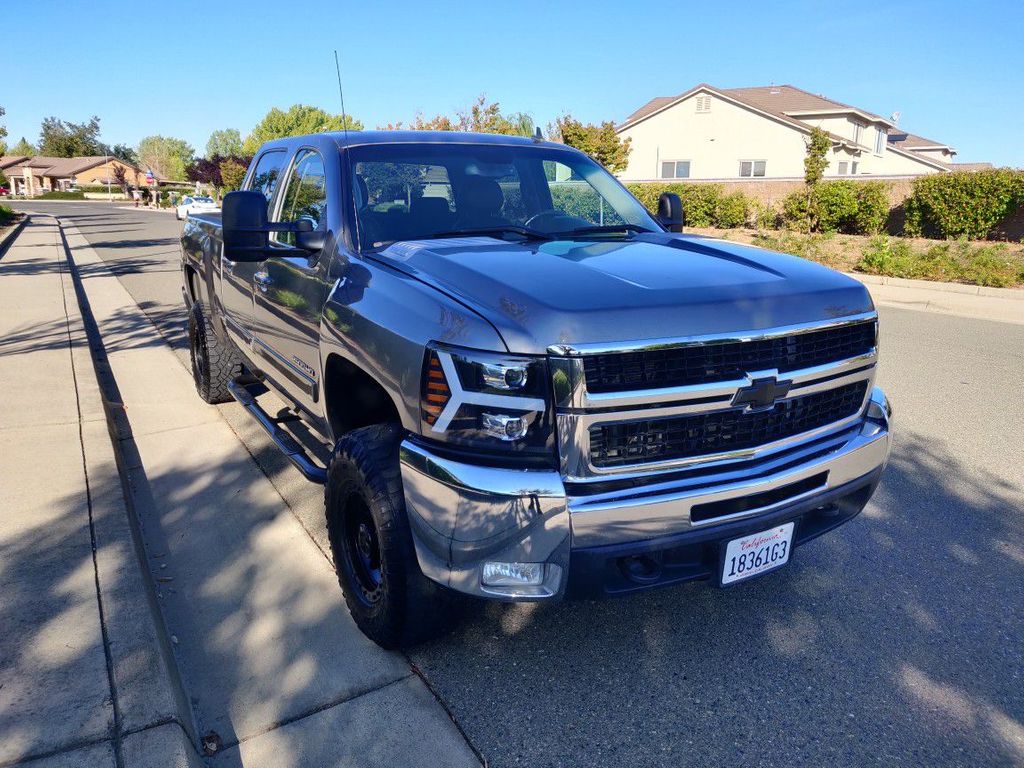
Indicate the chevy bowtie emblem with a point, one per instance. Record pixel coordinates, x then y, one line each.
762 393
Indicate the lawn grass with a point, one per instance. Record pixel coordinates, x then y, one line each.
972 262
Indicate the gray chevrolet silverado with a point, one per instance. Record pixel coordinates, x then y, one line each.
516 383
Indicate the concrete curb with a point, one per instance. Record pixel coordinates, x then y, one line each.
151 703
1003 305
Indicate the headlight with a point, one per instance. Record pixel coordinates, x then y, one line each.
487 401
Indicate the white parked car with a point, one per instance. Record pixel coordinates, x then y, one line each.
196 204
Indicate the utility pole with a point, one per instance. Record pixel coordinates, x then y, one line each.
106 163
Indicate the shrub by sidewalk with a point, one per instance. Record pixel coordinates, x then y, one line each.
998 265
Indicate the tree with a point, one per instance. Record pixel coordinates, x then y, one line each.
165 156
601 142
479 117
224 143
299 120
206 170
232 173
121 177
23 148
60 138
125 153
819 144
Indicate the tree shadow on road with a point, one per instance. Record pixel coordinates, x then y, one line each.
870 647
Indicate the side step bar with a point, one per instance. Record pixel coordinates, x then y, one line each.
296 454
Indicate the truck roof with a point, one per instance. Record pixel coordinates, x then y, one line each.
360 138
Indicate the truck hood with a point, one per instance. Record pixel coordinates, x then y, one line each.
652 286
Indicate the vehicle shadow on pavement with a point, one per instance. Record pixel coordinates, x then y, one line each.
867 648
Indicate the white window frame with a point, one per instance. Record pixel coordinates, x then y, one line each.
753 166
675 169
858 130
841 170
853 167
881 139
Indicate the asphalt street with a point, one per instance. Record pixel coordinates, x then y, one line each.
895 640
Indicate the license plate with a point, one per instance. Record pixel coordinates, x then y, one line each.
757 553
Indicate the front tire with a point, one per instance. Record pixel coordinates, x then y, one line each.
390 599
214 361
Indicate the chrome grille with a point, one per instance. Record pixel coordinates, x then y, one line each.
724 361
680 437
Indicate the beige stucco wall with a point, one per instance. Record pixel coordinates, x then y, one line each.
716 142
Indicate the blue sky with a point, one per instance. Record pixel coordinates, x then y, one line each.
954 70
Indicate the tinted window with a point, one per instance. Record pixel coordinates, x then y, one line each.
305 197
268 169
415 191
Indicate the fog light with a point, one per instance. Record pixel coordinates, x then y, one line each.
504 427
513 574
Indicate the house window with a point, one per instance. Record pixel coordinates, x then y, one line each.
752 167
857 128
703 104
880 141
842 169
675 169
853 168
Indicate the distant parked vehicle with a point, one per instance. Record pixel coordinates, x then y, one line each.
195 204
4 191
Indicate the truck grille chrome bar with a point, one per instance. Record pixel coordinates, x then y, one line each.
624 412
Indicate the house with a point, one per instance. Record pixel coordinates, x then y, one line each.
736 133
37 174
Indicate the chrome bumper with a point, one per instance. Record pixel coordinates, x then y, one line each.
463 515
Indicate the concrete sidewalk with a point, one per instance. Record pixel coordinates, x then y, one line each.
276 672
1004 305
83 676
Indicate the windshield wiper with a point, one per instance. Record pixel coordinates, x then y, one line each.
530 234
607 229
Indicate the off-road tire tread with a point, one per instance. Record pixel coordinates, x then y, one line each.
222 361
414 608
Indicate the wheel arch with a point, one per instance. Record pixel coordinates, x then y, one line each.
353 398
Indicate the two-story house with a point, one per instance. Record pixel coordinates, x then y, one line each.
735 133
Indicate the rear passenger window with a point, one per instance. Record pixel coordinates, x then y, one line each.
268 170
305 197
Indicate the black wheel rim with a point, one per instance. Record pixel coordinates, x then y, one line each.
362 550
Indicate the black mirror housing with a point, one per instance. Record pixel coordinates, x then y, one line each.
670 212
245 226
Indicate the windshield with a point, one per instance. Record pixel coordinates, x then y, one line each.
419 191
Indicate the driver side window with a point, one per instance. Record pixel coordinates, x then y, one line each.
305 196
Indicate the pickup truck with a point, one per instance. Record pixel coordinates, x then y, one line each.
518 384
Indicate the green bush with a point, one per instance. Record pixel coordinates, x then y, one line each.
6 214
853 207
60 195
872 208
701 202
732 211
963 204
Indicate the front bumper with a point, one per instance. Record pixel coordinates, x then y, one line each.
622 540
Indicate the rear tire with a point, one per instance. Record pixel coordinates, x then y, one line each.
214 362
390 599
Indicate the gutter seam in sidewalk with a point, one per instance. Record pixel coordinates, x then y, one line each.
116 736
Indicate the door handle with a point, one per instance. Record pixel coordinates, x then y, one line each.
262 280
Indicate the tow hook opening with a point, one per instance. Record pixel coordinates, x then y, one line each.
641 568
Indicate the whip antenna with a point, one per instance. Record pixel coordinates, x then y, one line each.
341 94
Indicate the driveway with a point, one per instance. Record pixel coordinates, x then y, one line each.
895 640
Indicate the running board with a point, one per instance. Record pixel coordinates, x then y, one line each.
287 444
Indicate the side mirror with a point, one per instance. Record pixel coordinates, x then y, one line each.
670 212
244 226
312 240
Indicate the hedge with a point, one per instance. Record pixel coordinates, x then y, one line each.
704 205
60 195
6 214
964 203
856 208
